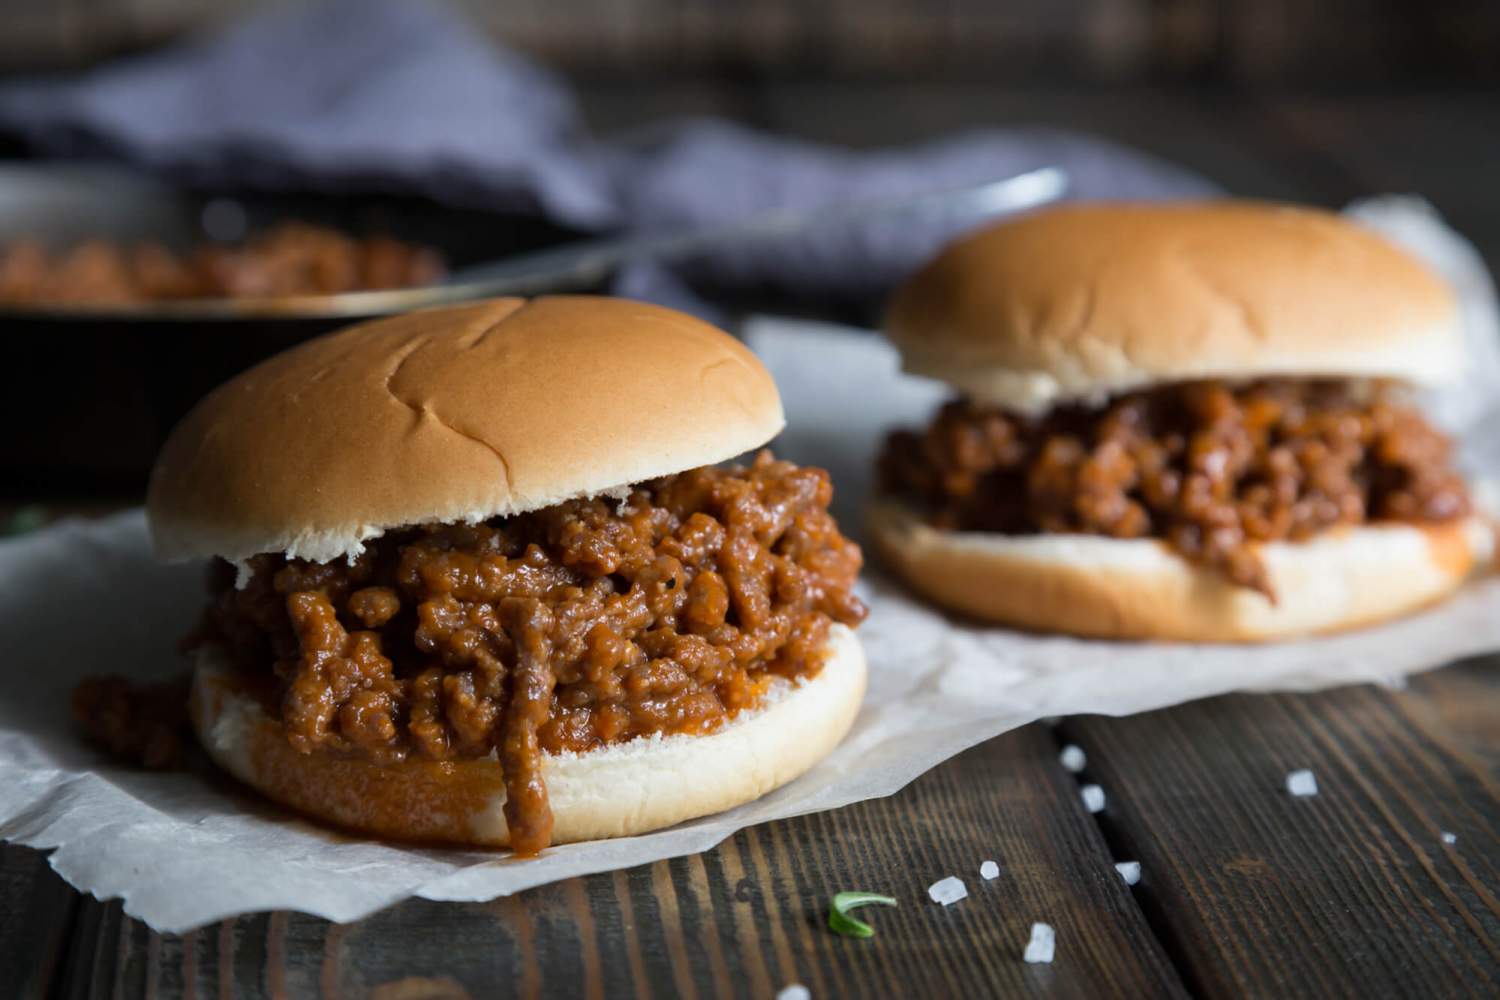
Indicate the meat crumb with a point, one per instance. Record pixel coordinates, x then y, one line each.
143 724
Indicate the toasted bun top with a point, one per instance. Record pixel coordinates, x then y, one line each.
454 414
1084 301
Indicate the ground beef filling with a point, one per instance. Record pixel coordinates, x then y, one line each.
584 624
291 258
1209 467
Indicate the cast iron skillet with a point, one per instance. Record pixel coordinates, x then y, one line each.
87 394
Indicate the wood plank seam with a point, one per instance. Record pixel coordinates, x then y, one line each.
1155 920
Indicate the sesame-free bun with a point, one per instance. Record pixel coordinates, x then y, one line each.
621 790
455 414
1084 301
1109 588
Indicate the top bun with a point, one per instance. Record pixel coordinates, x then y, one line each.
455 414
1085 301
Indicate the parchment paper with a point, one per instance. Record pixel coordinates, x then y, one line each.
189 848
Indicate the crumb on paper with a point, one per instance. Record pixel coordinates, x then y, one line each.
796 991
1042 946
1073 758
1302 783
989 870
1450 838
948 891
1130 871
1093 798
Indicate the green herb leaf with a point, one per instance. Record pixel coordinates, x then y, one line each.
839 920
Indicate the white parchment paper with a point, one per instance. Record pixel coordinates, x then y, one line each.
189 848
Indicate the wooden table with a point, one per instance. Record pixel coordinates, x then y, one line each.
1245 889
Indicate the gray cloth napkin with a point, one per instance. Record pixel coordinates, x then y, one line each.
344 95
705 173
396 96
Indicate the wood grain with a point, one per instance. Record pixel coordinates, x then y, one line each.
1246 891
36 914
1349 893
742 920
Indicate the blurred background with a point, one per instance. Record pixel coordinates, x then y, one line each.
1320 102
1321 98
1234 42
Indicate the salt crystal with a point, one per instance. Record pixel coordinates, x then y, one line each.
1093 798
1450 838
989 870
1043 944
796 991
1302 783
1073 758
948 891
1130 871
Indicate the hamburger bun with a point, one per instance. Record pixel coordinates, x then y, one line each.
1085 301
618 791
468 414
461 413
1108 588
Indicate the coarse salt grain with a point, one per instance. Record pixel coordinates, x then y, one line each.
1130 871
1093 798
991 870
1043 944
1073 758
796 991
1450 838
948 891
1302 783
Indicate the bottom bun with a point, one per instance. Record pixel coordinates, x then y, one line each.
616 791
1110 588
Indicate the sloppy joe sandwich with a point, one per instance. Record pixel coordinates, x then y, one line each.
480 579
1187 421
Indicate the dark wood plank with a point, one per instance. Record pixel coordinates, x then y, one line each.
1349 893
36 914
743 920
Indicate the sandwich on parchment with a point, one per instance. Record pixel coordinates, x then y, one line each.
1183 421
479 579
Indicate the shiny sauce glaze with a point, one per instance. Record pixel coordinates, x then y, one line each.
577 626
1209 467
